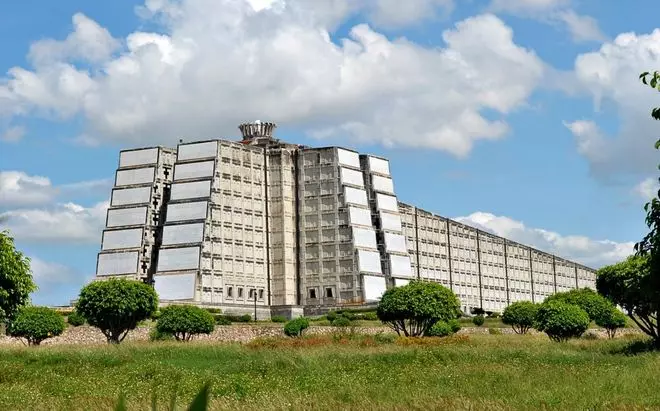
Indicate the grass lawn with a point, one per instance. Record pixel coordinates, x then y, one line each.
322 372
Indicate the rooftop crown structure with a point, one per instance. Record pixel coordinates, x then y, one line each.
291 229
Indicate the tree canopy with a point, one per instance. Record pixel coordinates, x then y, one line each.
16 281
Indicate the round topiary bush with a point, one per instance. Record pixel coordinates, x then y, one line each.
75 319
595 305
455 325
331 316
414 308
341 321
370 316
611 321
185 321
116 306
520 316
440 329
278 319
296 327
36 324
478 320
221 320
561 321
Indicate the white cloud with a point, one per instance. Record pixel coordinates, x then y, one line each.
393 13
647 188
582 28
17 188
47 273
219 63
610 75
63 223
13 134
590 252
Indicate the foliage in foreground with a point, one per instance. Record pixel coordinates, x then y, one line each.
185 321
116 306
520 315
199 403
413 309
628 284
36 324
561 321
595 305
16 281
296 327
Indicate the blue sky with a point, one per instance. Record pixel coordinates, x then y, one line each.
524 118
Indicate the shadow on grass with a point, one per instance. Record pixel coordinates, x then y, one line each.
636 347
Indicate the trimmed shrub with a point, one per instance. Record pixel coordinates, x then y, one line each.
440 329
155 335
478 320
455 325
221 320
214 310
494 331
185 321
36 324
116 306
520 316
561 321
350 315
295 328
75 319
370 316
331 316
341 321
611 321
245 318
413 309
595 305
278 319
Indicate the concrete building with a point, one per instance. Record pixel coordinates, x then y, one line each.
259 225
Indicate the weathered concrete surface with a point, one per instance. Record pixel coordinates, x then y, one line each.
86 335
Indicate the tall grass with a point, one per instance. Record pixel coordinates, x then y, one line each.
330 372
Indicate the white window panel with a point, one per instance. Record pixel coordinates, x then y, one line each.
138 157
197 189
183 233
350 176
348 158
197 150
175 287
187 211
379 165
116 239
117 263
369 261
400 282
194 170
385 202
173 259
135 176
400 266
118 217
373 287
382 184
355 196
126 196
390 222
395 242
364 237
359 216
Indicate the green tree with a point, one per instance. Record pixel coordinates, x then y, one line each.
561 321
520 316
185 321
36 324
596 305
16 281
612 321
628 284
296 327
414 308
116 306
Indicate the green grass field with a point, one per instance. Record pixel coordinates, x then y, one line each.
327 373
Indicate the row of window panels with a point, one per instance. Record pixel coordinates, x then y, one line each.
329 267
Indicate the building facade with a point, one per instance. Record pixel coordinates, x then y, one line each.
264 226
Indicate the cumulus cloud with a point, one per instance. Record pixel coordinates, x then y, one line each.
590 252
62 223
13 134
46 273
18 188
582 28
217 63
647 188
610 76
